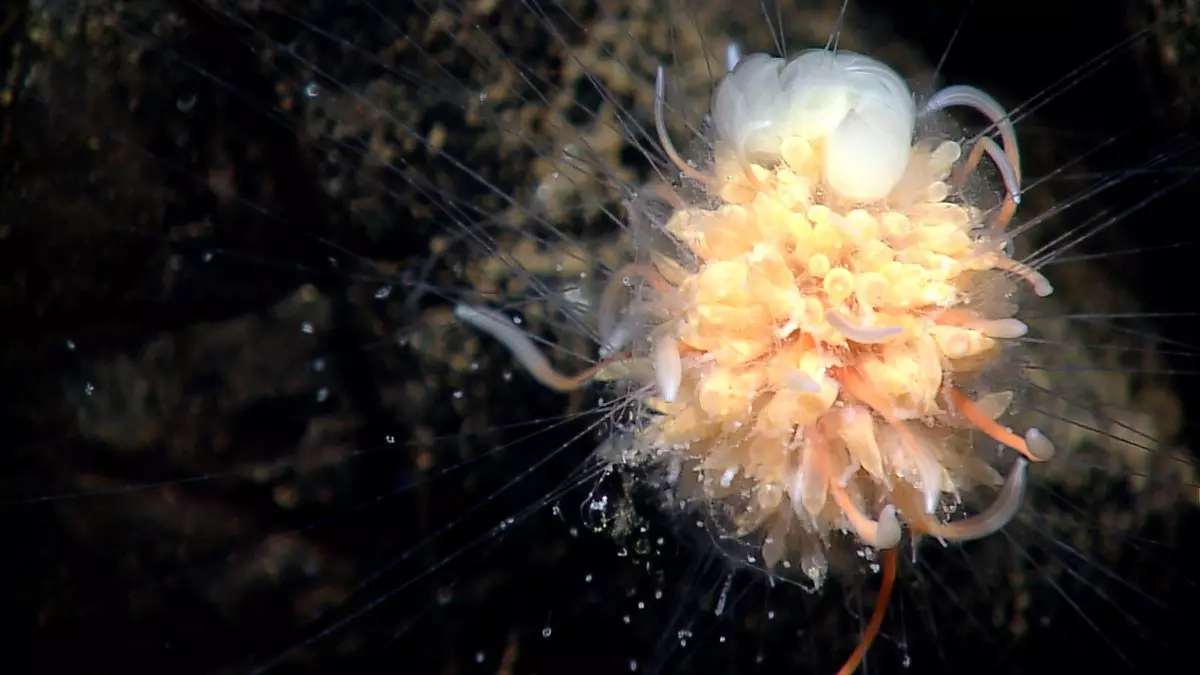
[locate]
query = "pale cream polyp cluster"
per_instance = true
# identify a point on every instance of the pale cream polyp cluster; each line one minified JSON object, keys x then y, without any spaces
{"x":830,"y":301}
{"x":824,"y":314}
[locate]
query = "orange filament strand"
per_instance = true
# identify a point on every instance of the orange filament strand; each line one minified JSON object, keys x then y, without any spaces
{"x":859,"y":389}
{"x":521,"y":345}
{"x":863,"y":391}
{"x":1007,"y":210}
{"x":585,"y":376}
{"x":967,"y":167}
{"x":881,"y":604}
{"x":954,"y":317}
{"x":881,"y":533}
{"x":989,"y":426}
{"x":859,"y":520}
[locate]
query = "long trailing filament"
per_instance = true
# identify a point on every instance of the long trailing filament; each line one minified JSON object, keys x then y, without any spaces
{"x":664,"y":138}
{"x":890,"y":563}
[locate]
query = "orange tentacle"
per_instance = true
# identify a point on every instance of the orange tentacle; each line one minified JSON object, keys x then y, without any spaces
{"x":890,"y":557}
{"x":989,"y":426}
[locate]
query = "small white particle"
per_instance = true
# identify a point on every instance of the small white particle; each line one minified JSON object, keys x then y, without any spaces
{"x":724,"y":596}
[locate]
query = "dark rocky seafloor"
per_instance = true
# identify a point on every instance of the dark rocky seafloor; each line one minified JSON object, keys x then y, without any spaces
{"x":230,"y":346}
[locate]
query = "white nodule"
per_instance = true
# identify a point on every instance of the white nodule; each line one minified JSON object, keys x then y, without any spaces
{"x":1004,"y":329}
{"x":733,"y":54}
{"x":1042,"y":287}
{"x":887,"y":534}
{"x":668,"y":368}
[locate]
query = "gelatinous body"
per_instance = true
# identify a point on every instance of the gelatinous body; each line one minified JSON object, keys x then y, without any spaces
{"x":820,"y":333}
{"x":858,"y":108}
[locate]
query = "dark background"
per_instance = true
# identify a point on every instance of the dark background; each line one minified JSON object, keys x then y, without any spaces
{"x":205,"y":506}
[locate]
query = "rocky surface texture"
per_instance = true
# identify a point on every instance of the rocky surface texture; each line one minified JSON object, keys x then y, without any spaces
{"x":238,"y":411}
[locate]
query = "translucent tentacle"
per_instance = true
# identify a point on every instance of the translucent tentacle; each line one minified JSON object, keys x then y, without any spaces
{"x":1006,"y":158}
{"x":660,"y":124}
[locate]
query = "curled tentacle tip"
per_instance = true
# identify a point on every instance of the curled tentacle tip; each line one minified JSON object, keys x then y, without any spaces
{"x":1040,"y":447}
{"x":1005,"y":329}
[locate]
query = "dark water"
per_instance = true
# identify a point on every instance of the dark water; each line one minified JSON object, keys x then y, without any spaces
{"x":219,"y":455}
